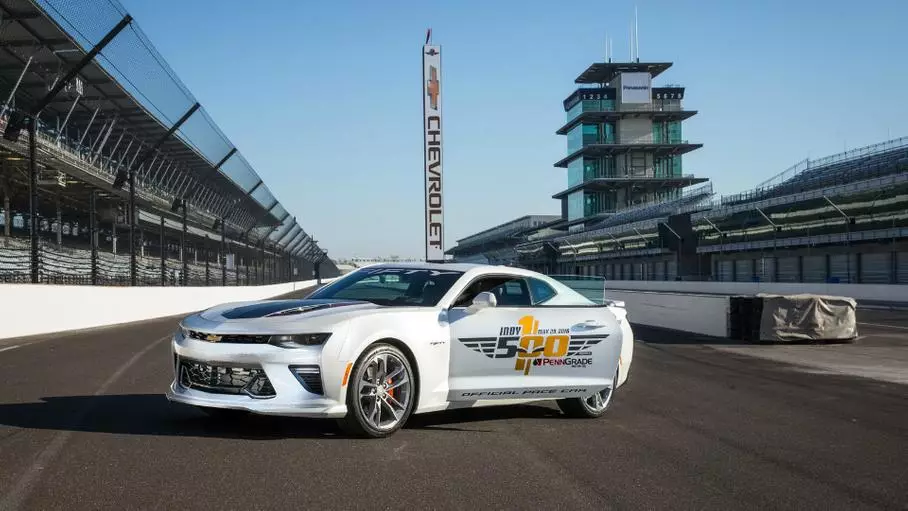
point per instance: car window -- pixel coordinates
(509, 291)
(513, 293)
(392, 286)
(478, 286)
(540, 291)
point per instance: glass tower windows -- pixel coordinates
(590, 105)
(667, 132)
(576, 174)
(575, 205)
(669, 166)
(590, 134)
(575, 138)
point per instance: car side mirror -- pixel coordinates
(481, 301)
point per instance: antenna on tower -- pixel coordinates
(636, 37)
(630, 42)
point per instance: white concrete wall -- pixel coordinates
(29, 309)
(874, 292)
(701, 314)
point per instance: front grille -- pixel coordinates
(231, 338)
(310, 377)
(251, 381)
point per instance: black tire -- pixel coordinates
(355, 422)
(578, 408)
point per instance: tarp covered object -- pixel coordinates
(790, 318)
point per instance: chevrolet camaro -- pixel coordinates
(390, 340)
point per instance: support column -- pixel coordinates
(131, 217)
(224, 251)
(183, 246)
(12, 92)
(7, 214)
(59, 222)
(262, 263)
(93, 235)
(207, 263)
(163, 255)
(33, 196)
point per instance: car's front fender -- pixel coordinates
(419, 330)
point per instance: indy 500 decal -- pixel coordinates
(533, 346)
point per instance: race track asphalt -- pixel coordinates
(84, 425)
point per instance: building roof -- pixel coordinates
(600, 150)
(612, 183)
(604, 72)
(656, 115)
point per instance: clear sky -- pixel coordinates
(324, 98)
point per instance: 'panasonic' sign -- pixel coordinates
(636, 88)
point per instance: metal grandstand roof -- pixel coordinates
(130, 93)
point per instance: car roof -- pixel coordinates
(464, 267)
(471, 269)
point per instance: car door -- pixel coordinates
(524, 349)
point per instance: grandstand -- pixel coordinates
(839, 219)
(127, 179)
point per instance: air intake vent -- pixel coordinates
(251, 381)
(310, 377)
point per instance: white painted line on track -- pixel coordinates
(10, 348)
(20, 490)
(884, 326)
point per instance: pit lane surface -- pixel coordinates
(84, 425)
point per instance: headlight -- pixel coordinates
(181, 333)
(298, 340)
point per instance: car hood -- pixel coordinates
(276, 315)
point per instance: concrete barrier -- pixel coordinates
(29, 309)
(700, 314)
(860, 292)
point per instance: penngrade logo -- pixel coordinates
(534, 346)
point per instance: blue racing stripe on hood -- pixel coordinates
(259, 310)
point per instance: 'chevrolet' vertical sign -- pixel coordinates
(431, 96)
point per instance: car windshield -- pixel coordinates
(392, 286)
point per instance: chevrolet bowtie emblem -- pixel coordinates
(212, 338)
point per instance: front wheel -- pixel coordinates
(380, 396)
(592, 406)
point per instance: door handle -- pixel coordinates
(590, 323)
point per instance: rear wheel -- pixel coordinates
(592, 406)
(380, 395)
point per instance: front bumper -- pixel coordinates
(282, 394)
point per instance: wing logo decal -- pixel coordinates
(482, 345)
(531, 346)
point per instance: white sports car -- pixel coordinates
(390, 340)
